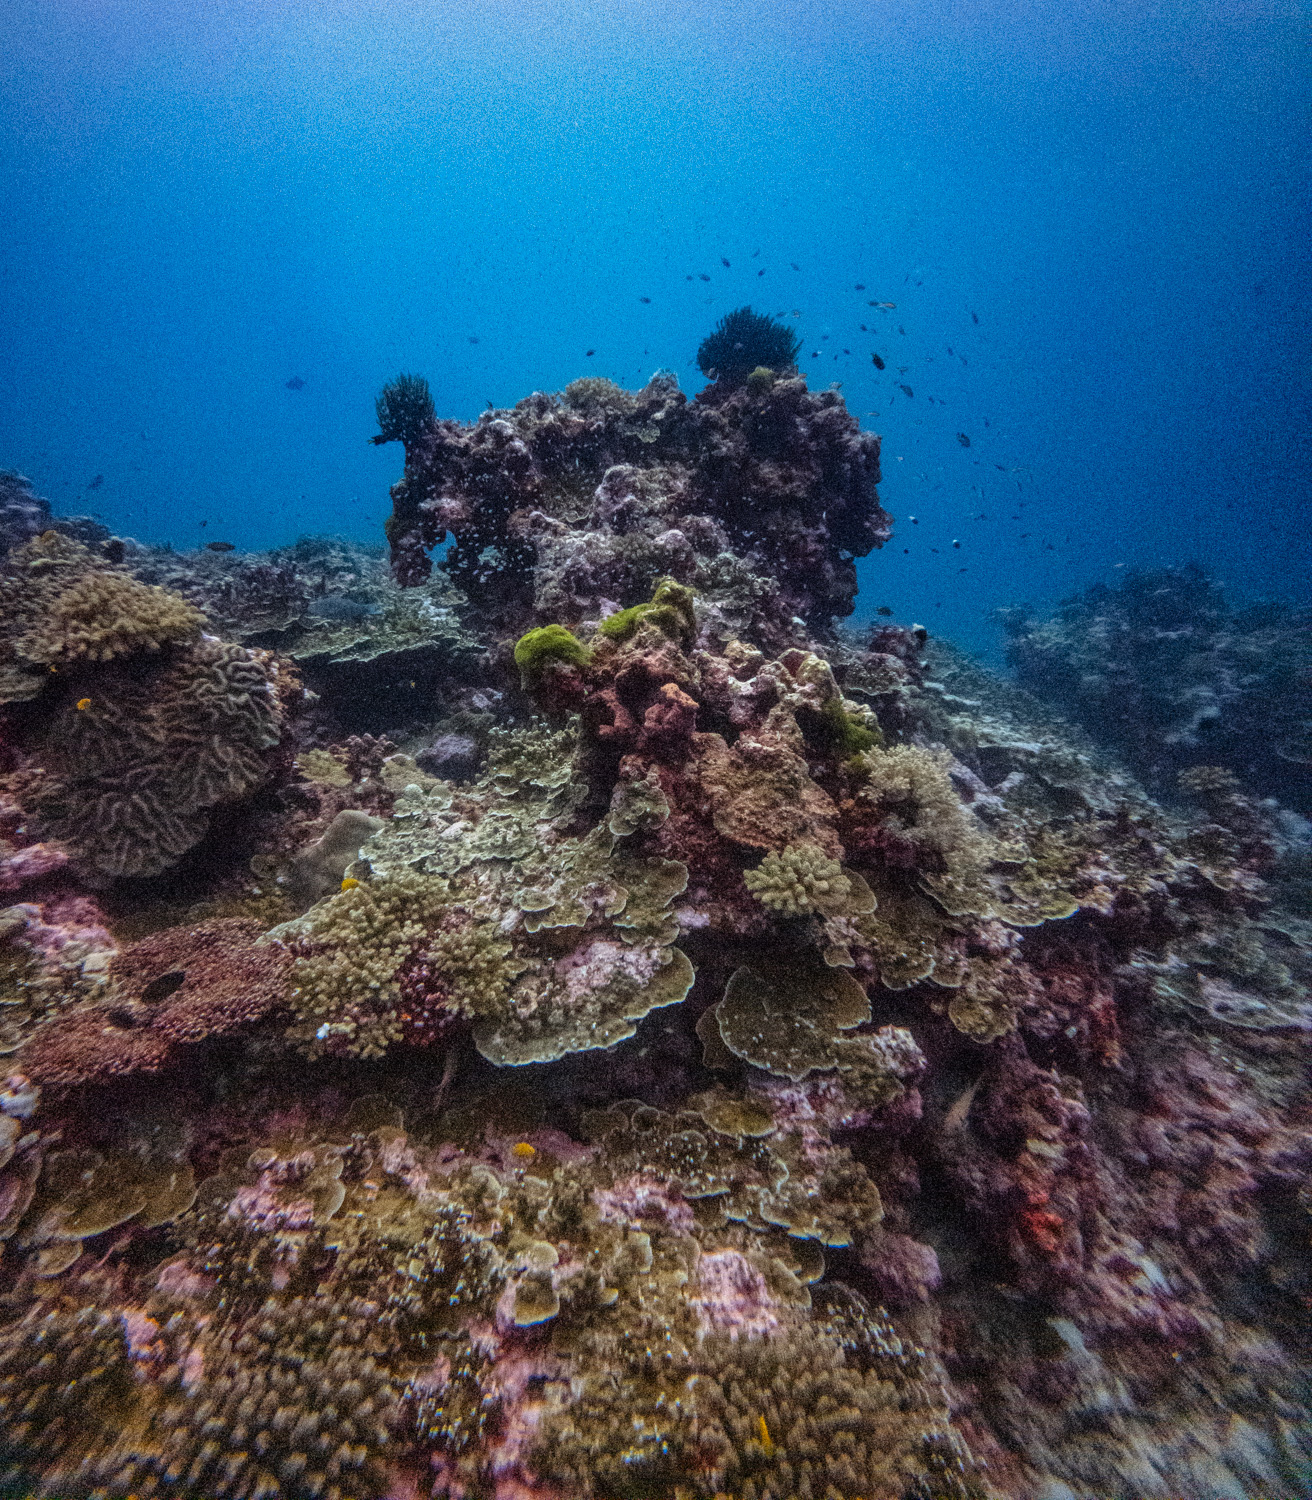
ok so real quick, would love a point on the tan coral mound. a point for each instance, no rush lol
(106, 615)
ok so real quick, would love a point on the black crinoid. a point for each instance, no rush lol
(743, 341)
(404, 408)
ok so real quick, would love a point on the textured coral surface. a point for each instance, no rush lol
(619, 1035)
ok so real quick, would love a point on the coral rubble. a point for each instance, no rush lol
(685, 1050)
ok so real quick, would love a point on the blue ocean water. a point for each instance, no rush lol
(1092, 217)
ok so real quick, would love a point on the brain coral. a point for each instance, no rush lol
(132, 776)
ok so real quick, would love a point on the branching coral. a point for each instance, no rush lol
(798, 881)
(350, 951)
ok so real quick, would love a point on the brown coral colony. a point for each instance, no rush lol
(688, 1050)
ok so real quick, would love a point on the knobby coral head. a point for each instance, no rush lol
(744, 341)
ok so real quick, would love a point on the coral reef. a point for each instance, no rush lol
(145, 726)
(570, 508)
(665, 1047)
(1165, 671)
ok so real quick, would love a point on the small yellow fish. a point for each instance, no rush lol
(523, 1151)
(349, 883)
(766, 1442)
(84, 704)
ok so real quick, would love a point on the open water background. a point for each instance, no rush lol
(201, 201)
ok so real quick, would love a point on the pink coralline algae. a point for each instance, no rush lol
(732, 1296)
(179, 986)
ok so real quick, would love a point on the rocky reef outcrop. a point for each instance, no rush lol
(1163, 669)
(759, 495)
(707, 1053)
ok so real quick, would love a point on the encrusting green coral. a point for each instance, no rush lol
(670, 609)
(548, 643)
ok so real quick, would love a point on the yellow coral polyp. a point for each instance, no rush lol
(83, 704)
(523, 1151)
(349, 882)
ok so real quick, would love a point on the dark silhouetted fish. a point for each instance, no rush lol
(975, 317)
(859, 287)
(877, 362)
(755, 253)
(724, 262)
(589, 354)
(760, 273)
(687, 278)
(219, 547)
(906, 390)
(473, 338)
(703, 276)
(295, 383)
(96, 482)
(963, 440)
(794, 265)
(644, 299)
(883, 610)
(335, 607)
